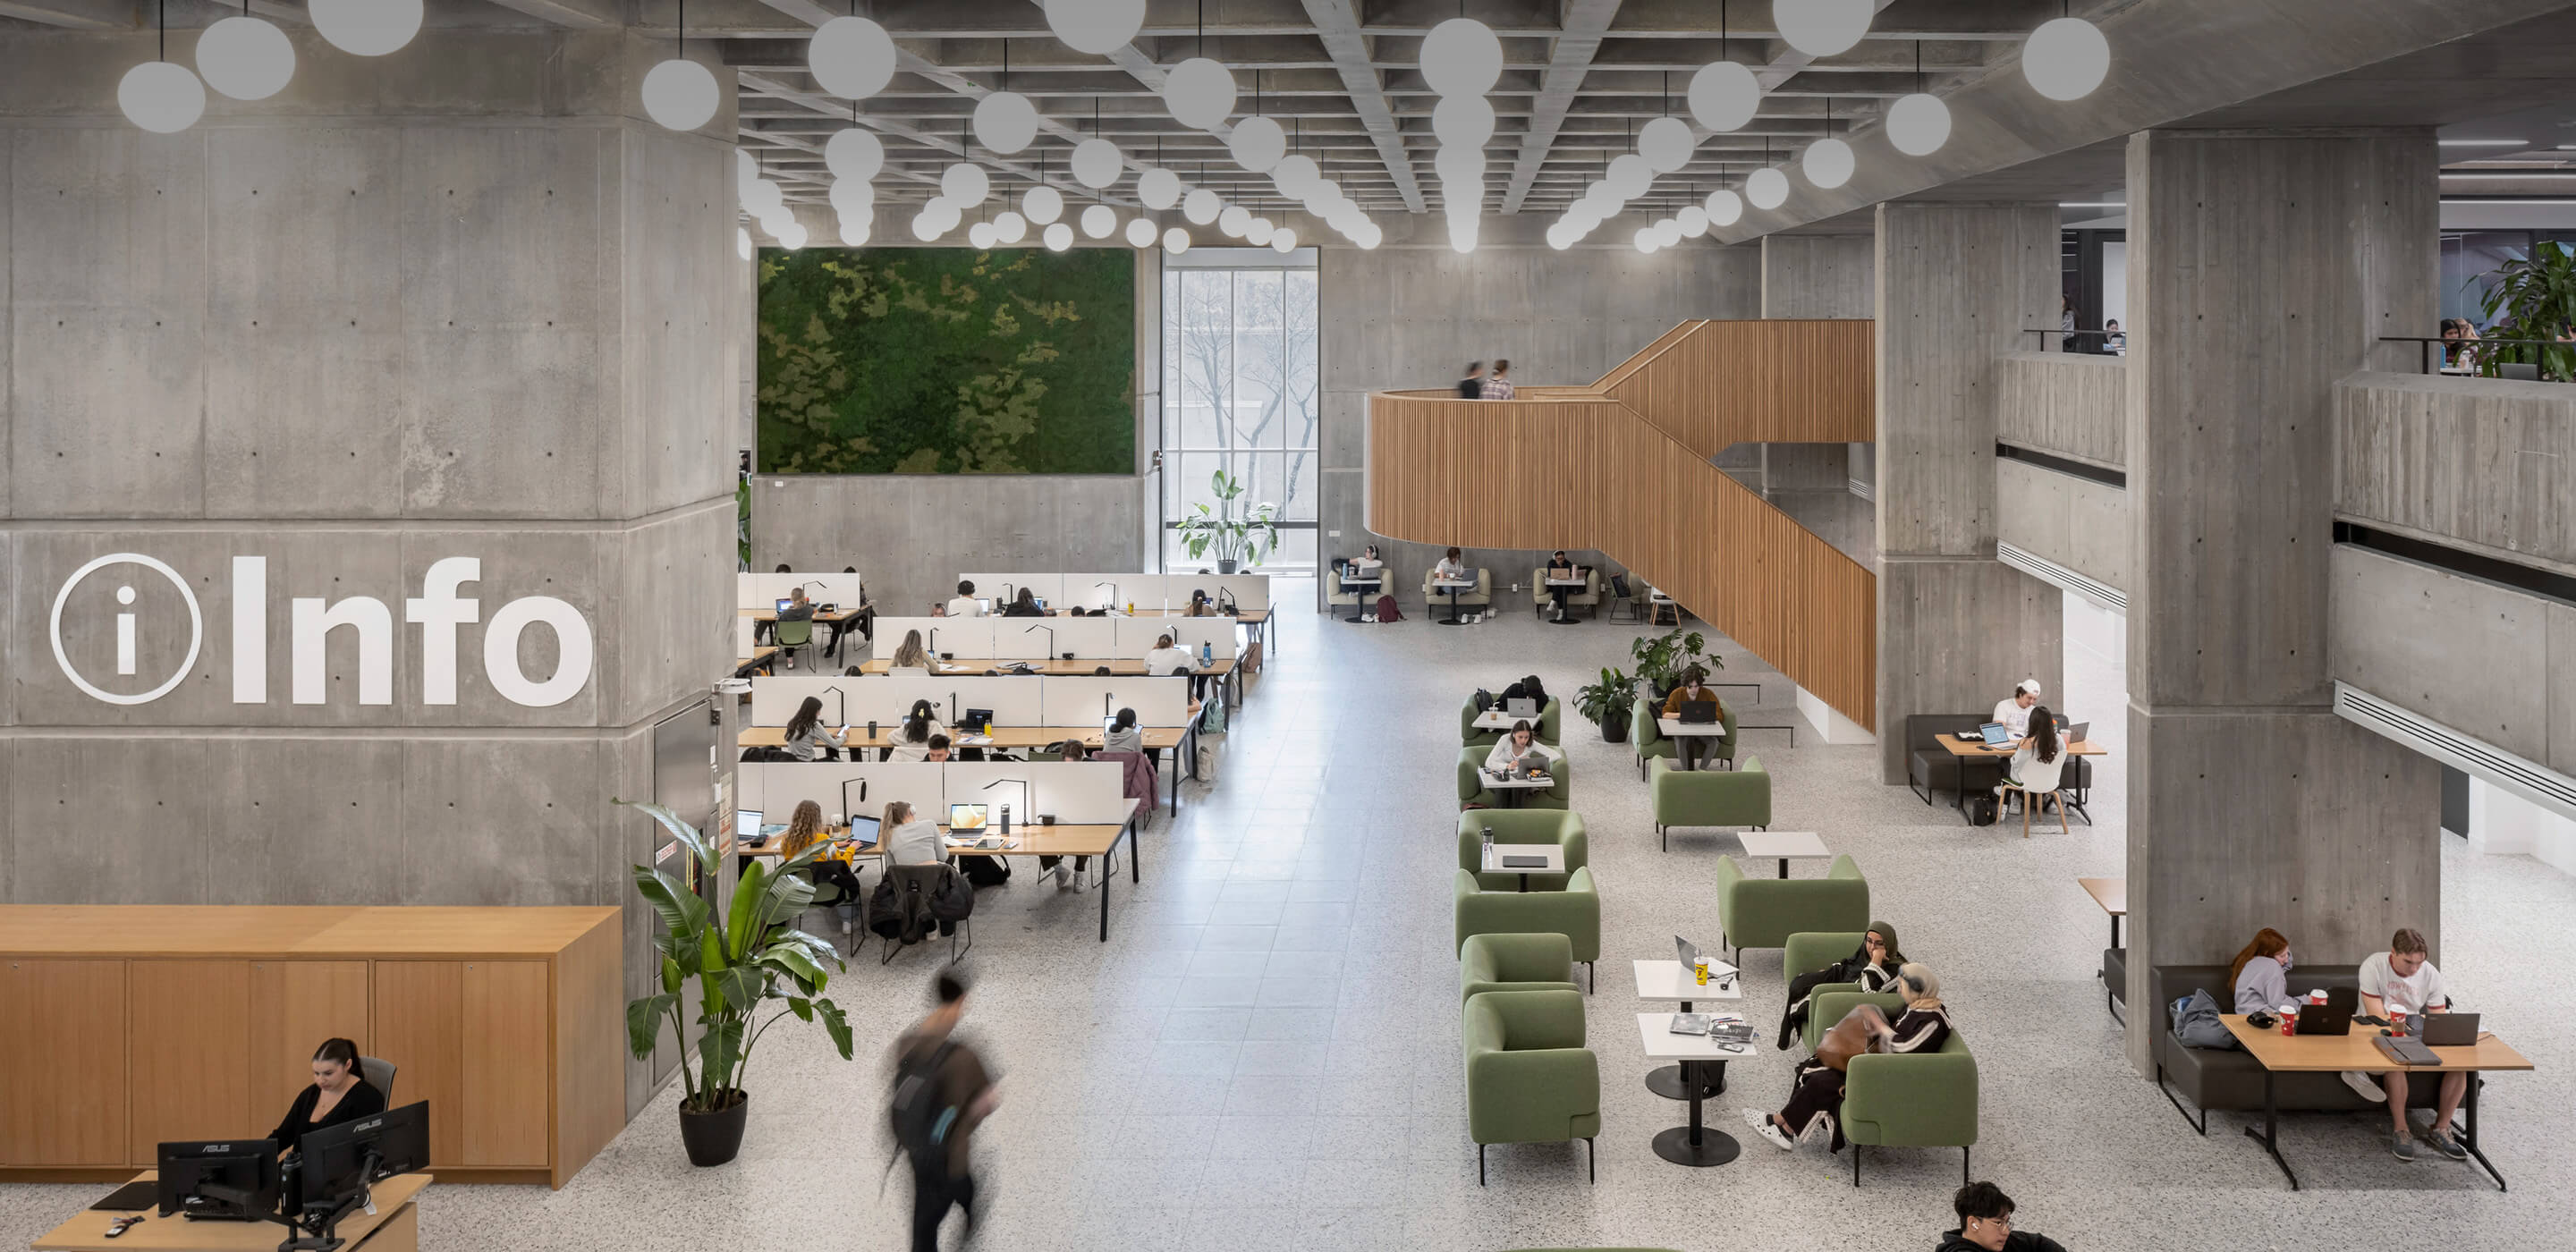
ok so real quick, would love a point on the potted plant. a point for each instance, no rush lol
(1608, 703)
(1237, 541)
(2532, 298)
(1662, 659)
(746, 962)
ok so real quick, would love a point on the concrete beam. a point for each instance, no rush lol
(1337, 23)
(830, 106)
(578, 14)
(77, 14)
(1569, 59)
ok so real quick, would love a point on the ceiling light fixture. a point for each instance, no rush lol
(852, 57)
(1005, 121)
(1140, 233)
(1200, 92)
(854, 153)
(245, 57)
(678, 93)
(1822, 28)
(1724, 95)
(1257, 142)
(1828, 162)
(161, 96)
(1098, 27)
(1767, 187)
(367, 28)
(1099, 221)
(2066, 58)
(1461, 57)
(1919, 122)
(1058, 237)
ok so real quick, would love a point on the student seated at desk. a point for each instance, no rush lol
(1068, 874)
(1694, 688)
(1368, 562)
(338, 1094)
(2260, 977)
(938, 752)
(2402, 979)
(804, 829)
(1451, 568)
(1123, 735)
(1024, 604)
(963, 605)
(1523, 740)
(1559, 566)
(807, 738)
(1816, 1094)
(2014, 710)
(2040, 761)
(910, 654)
(1200, 605)
(912, 738)
(902, 840)
(1167, 656)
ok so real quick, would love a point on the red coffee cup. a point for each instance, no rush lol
(2396, 1019)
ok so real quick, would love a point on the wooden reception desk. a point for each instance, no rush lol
(128, 1025)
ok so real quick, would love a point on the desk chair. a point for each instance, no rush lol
(379, 1074)
(2031, 798)
(794, 635)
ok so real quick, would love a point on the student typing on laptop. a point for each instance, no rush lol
(1520, 743)
(1694, 690)
(2014, 710)
(2403, 979)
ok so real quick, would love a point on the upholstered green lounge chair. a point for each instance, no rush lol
(1917, 1100)
(1708, 797)
(1472, 789)
(1563, 827)
(1648, 738)
(1467, 732)
(1811, 950)
(1574, 912)
(1762, 912)
(1515, 963)
(1529, 1077)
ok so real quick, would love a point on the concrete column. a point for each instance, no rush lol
(1956, 628)
(463, 302)
(2261, 269)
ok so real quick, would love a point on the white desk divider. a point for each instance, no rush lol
(1146, 591)
(1249, 591)
(1078, 793)
(1078, 701)
(1003, 588)
(1015, 701)
(743, 628)
(1094, 637)
(966, 638)
(1088, 638)
(775, 787)
(761, 591)
(1217, 632)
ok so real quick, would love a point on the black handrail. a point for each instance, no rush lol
(2488, 364)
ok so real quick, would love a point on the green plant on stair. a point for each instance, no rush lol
(1662, 659)
(1238, 541)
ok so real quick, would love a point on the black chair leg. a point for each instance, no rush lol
(1480, 1165)
(1591, 1162)
(1855, 1166)
(1963, 1166)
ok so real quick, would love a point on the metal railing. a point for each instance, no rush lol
(2529, 360)
(2097, 341)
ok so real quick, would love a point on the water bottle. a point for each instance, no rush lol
(1207, 654)
(1489, 847)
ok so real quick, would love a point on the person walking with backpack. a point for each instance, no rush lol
(941, 1092)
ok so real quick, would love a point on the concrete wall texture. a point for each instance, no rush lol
(2076, 522)
(2477, 463)
(1410, 316)
(483, 312)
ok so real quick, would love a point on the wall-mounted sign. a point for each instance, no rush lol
(439, 611)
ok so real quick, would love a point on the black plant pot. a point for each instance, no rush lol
(1614, 730)
(1226, 567)
(714, 1138)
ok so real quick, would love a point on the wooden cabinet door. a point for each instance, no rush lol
(188, 1055)
(420, 1027)
(62, 1089)
(294, 1006)
(506, 1063)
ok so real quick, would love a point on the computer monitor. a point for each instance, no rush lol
(233, 1180)
(965, 817)
(976, 720)
(341, 1161)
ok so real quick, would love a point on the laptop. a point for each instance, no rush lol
(783, 602)
(983, 606)
(965, 817)
(1532, 763)
(746, 825)
(2445, 1030)
(2334, 1017)
(1699, 712)
(1521, 706)
(1997, 734)
(2075, 732)
(863, 831)
(1718, 971)
(978, 719)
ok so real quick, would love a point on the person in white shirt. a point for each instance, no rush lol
(2041, 759)
(1451, 567)
(2403, 978)
(1166, 657)
(1521, 742)
(2014, 712)
(963, 605)
(912, 738)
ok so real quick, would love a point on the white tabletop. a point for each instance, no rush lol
(1454, 584)
(1554, 854)
(1514, 783)
(1777, 845)
(1568, 582)
(1667, 980)
(1655, 1030)
(1496, 719)
(1675, 728)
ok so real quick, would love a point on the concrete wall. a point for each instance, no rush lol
(1411, 315)
(2076, 522)
(2066, 404)
(1956, 283)
(2485, 659)
(459, 302)
(1819, 275)
(2479, 463)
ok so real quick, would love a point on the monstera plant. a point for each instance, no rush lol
(1237, 540)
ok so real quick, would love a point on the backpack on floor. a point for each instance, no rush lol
(986, 871)
(1386, 610)
(1982, 809)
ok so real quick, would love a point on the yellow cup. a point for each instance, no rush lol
(1699, 968)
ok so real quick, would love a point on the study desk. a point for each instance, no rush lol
(1496, 719)
(1223, 671)
(1667, 982)
(839, 620)
(1100, 840)
(1158, 740)
(1257, 619)
(1453, 586)
(1512, 788)
(1979, 750)
(2113, 895)
(1367, 587)
(1550, 858)
(1572, 585)
(2279, 1053)
(762, 661)
(393, 1227)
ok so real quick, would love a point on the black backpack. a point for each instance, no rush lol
(1982, 809)
(1484, 700)
(921, 1119)
(986, 871)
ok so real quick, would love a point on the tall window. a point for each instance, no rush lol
(1240, 391)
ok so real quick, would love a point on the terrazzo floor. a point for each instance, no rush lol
(1265, 1053)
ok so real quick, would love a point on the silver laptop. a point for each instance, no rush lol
(1997, 734)
(1521, 706)
(2075, 733)
(1689, 951)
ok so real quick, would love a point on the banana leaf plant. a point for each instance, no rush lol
(747, 961)
(2532, 297)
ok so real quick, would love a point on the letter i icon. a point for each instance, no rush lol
(125, 633)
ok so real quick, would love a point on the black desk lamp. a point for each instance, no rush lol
(1113, 592)
(1006, 809)
(849, 814)
(840, 707)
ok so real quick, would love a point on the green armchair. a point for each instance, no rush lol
(1563, 827)
(1472, 789)
(1529, 1077)
(1764, 912)
(1574, 912)
(1648, 737)
(1708, 797)
(1550, 718)
(1924, 1100)
(1587, 596)
(1809, 951)
(1514, 963)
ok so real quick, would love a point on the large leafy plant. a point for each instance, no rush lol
(1661, 659)
(746, 961)
(1607, 701)
(1245, 539)
(2532, 297)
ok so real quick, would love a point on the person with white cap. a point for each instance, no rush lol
(2014, 712)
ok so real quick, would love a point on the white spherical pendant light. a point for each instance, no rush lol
(1667, 233)
(1666, 144)
(853, 195)
(1042, 204)
(742, 242)
(1257, 144)
(1005, 121)
(854, 153)
(1725, 208)
(1767, 188)
(1286, 240)
(1158, 188)
(1694, 220)
(161, 96)
(1645, 240)
(925, 227)
(1462, 232)
(1630, 175)
(1096, 163)
(762, 197)
(945, 212)
(1460, 165)
(1058, 237)
(980, 235)
(1258, 231)
(1199, 92)
(1463, 122)
(1461, 57)
(1827, 163)
(2066, 58)
(1821, 28)
(1099, 220)
(1560, 237)
(746, 169)
(852, 57)
(791, 234)
(1201, 206)
(1098, 27)
(1724, 95)
(1140, 233)
(681, 95)
(1176, 241)
(367, 28)
(855, 231)
(964, 184)
(1293, 175)
(1010, 227)
(245, 58)
(1233, 220)
(1918, 124)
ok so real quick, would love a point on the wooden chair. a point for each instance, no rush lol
(2030, 798)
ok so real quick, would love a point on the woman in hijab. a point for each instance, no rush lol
(1872, 965)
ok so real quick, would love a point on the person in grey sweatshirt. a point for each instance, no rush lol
(2260, 977)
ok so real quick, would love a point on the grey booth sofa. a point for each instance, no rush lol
(2232, 1081)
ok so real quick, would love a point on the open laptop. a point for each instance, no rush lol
(1521, 706)
(2445, 1030)
(746, 825)
(1717, 969)
(2334, 1017)
(863, 830)
(977, 720)
(983, 606)
(965, 817)
(1997, 734)
(2075, 732)
(783, 602)
(1699, 712)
